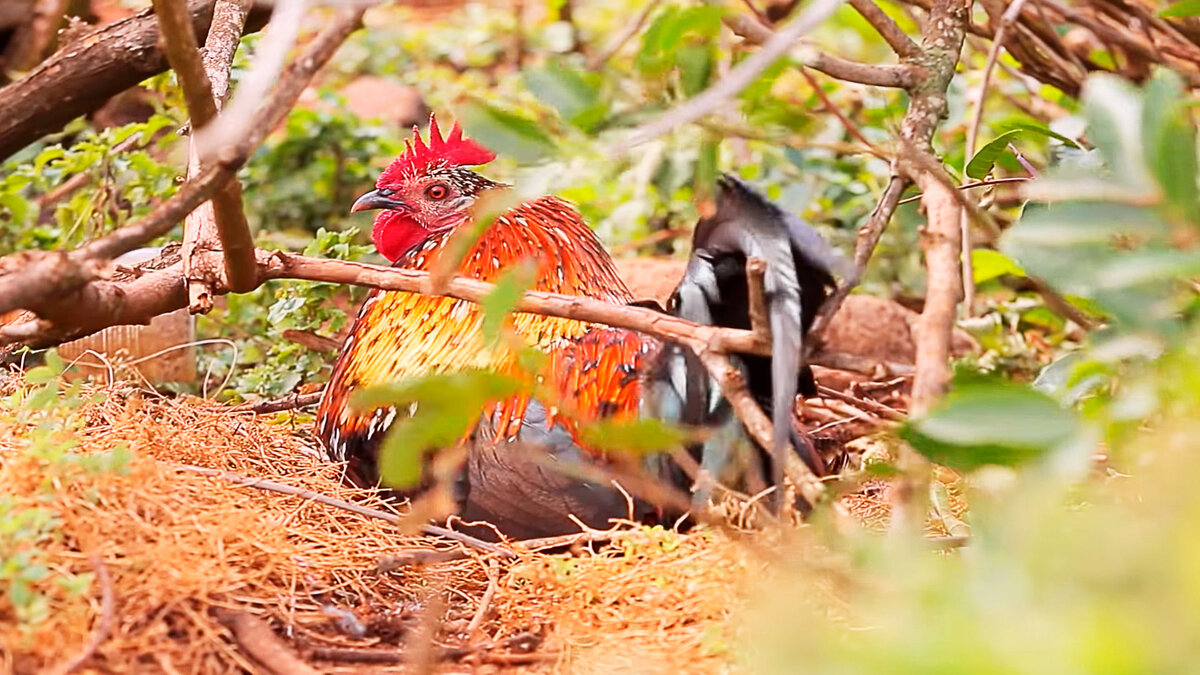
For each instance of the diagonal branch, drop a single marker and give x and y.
(740, 77)
(224, 214)
(53, 281)
(899, 41)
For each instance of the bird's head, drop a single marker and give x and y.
(426, 189)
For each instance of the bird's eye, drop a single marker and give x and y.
(436, 191)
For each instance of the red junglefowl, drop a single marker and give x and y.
(511, 477)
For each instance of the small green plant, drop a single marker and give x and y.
(50, 413)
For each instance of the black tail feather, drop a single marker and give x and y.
(799, 275)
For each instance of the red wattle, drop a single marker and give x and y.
(395, 233)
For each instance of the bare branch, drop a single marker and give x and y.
(899, 77)
(220, 222)
(224, 213)
(903, 45)
(101, 63)
(54, 284)
(738, 79)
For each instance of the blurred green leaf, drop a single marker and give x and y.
(640, 436)
(988, 264)
(573, 93)
(504, 132)
(510, 287)
(983, 161)
(1110, 104)
(443, 407)
(1181, 9)
(991, 423)
(1170, 143)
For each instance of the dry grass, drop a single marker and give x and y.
(181, 548)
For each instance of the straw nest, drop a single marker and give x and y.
(194, 573)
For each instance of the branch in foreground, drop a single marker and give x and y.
(85, 73)
(899, 41)
(54, 284)
(224, 213)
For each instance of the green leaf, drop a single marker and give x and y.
(573, 93)
(983, 161)
(1041, 130)
(1181, 9)
(696, 64)
(447, 407)
(498, 304)
(991, 423)
(1170, 144)
(988, 264)
(638, 436)
(504, 132)
(1110, 105)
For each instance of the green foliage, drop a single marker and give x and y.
(50, 413)
(1181, 9)
(442, 408)
(505, 132)
(119, 186)
(306, 178)
(637, 436)
(987, 423)
(268, 364)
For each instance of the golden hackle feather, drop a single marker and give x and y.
(399, 335)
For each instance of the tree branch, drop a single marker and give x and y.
(883, 24)
(224, 213)
(54, 284)
(85, 73)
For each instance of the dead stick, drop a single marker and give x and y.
(282, 488)
(257, 639)
(103, 622)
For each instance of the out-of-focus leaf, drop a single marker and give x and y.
(1040, 129)
(638, 437)
(504, 132)
(447, 407)
(695, 67)
(498, 304)
(983, 161)
(1170, 144)
(1110, 104)
(988, 264)
(1181, 9)
(574, 94)
(991, 423)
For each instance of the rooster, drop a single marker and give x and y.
(594, 371)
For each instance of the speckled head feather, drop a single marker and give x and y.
(450, 151)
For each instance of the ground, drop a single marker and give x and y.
(209, 575)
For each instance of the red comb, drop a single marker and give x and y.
(453, 150)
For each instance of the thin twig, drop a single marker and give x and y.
(256, 638)
(873, 406)
(621, 37)
(971, 186)
(756, 273)
(485, 602)
(282, 488)
(850, 127)
(968, 274)
(738, 79)
(887, 28)
(103, 622)
(289, 402)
